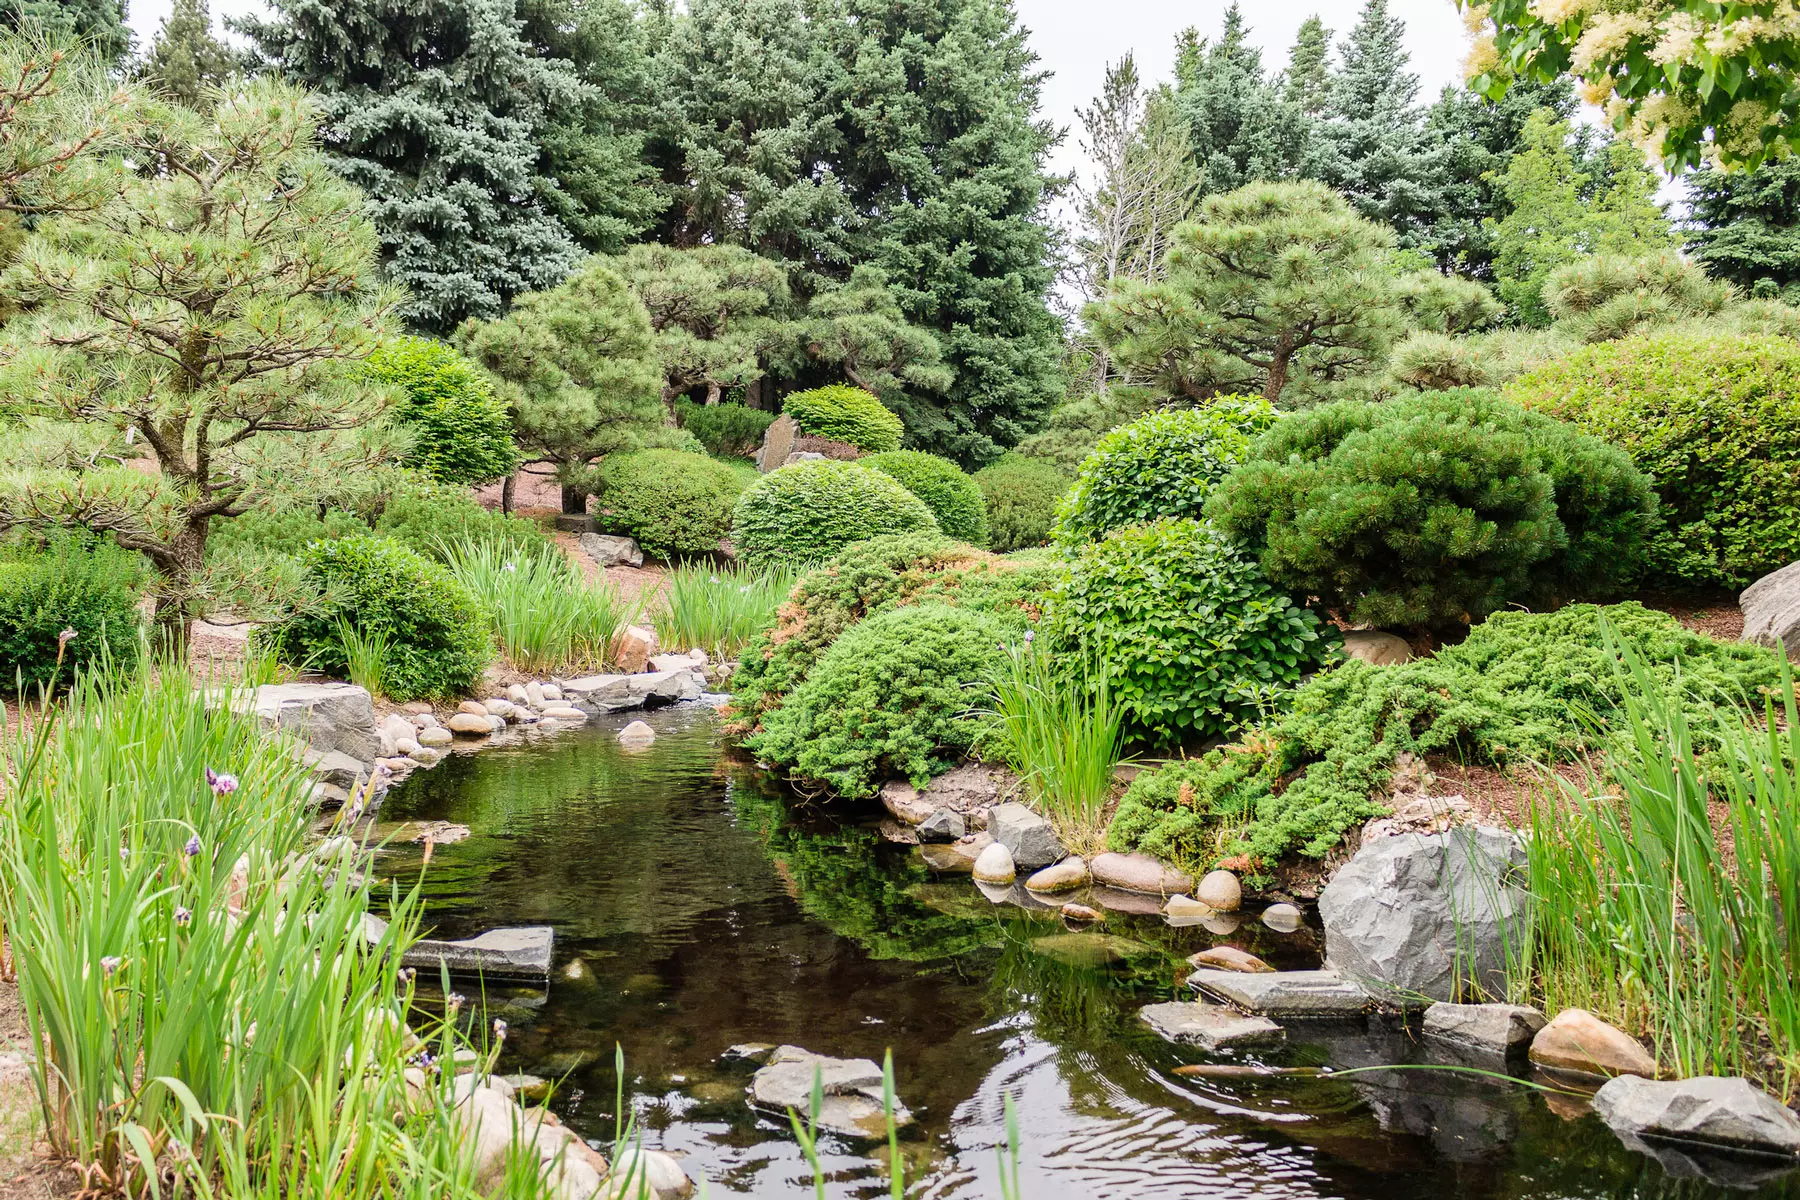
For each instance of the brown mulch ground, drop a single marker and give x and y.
(27, 1170)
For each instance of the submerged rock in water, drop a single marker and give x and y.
(1284, 994)
(1495, 1031)
(852, 1091)
(523, 952)
(637, 733)
(1721, 1113)
(1087, 949)
(1578, 1041)
(1080, 913)
(1209, 1026)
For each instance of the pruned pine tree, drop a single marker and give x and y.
(860, 330)
(207, 321)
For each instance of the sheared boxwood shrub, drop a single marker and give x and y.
(954, 500)
(1022, 494)
(674, 503)
(728, 430)
(1162, 465)
(1436, 509)
(92, 591)
(892, 696)
(1520, 690)
(1714, 421)
(437, 638)
(807, 512)
(1189, 634)
(464, 432)
(874, 576)
(846, 414)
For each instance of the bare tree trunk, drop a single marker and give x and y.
(712, 391)
(506, 493)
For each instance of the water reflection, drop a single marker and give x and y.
(696, 909)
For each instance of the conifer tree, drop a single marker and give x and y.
(1306, 83)
(1369, 143)
(186, 59)
(96, 23)
(1745, 226)
(1243, 128)
(434, 108)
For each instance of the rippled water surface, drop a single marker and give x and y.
(706, 910)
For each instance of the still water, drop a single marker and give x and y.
(705, 909)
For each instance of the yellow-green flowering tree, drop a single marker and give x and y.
(1686, 79)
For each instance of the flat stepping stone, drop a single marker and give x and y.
(1318, 995)
(521, 953)
(1209, 1026)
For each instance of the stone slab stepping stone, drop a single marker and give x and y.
(1707, 1110)
(519, 953)
(1319, 995)
(1140, 873)
(1209, 1026)
(852, 1088)
(1495, 1031)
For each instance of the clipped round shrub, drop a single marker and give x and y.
(890, 697)
(1022, 494)
(674, 503)
(1436, 509)
(1162, 465)
(464, 431)
(437, 639)
(1189, 634)
(1714, 421)
(807, 512)
(728, 430)
(953, 498)
(845, 414)
(92, 592)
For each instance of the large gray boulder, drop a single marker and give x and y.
(1772, 610)
(1427, 916)
(609, 550)
(1026, 835)
(1727, 1114)
(326, 716)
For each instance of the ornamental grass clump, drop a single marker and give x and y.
(719, 609)
(214, 1012)
(1655, 913)
(539, 607)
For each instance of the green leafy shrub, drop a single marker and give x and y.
(890, 697)
(464, 431)
(1436, 509)
(1021, 494)
(674, 503)
(845, 414)
(1714, 421)
(1189, 634)
(807, 512)
(92, 591)
(437, 641)
(728, 430)
(1162, 465)
(874, 576)
(953, 498)
(1522, 689)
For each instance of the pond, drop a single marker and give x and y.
(697, 906)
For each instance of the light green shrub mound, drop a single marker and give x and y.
(437, 637)
(65, 586)
(1714, 421)
(674, 503)
(892, 696)
(953, 498)
(1435, 509)
(1022, 495)
(1520, 690)
(1191, 637)
(846, 414)
(1162, 465)
(464, 431)
(874, 576)
(728, 430)
(809, 511)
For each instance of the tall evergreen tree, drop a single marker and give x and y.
(1370, 142)
(944, 157)
(1243, 129)
(434, 108)
(100, 23)
(1307, 81)
(1745, 226)
(186, 58)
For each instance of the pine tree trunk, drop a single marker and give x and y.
(712, 391)
(506, 493)
(178, 569)
(574, 501)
